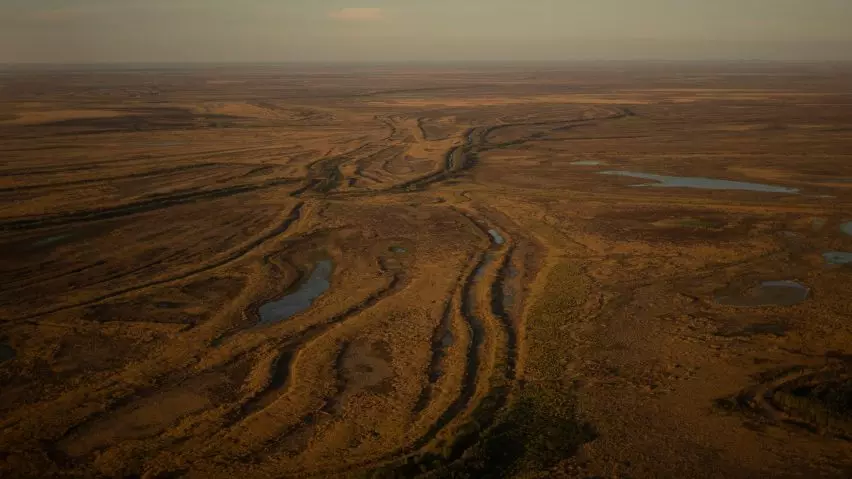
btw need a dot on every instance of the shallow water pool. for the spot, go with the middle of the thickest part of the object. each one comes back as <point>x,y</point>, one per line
<point>300,300</point>
<point>662,181</point>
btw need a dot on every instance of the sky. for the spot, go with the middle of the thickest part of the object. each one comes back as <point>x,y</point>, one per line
<point>125,31</point>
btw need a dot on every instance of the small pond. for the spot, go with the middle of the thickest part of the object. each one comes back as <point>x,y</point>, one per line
<point>300,300</point>
<point>837,257</point>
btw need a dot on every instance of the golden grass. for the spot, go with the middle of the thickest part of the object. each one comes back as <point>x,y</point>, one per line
<point>136,253</point>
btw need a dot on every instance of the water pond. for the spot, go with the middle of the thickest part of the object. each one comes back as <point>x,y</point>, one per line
<point>301,299</point>
<point>662,181</point>
<point>837,257</point>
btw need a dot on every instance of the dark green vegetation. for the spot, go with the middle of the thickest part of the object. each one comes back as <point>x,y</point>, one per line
<point>826,405</point>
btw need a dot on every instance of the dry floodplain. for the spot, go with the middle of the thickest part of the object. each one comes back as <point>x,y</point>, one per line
<point>523,271</point>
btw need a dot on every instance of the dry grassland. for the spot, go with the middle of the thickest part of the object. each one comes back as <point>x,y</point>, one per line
<point>494,306</point>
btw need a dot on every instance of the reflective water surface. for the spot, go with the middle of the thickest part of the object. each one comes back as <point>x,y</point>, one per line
<point>662,181</point>
<point>302,299</point>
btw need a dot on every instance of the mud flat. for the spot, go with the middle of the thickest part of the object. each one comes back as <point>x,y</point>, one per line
<point>6,353</point>
<point>50,240</point>
<point>768,293</point>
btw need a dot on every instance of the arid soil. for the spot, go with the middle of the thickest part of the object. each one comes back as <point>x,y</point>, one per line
<point>458,291</point>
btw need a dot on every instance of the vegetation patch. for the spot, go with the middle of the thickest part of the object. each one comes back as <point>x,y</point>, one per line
<point>539,431</point>
<point>547,335</point>
<point>827,406</point>
<point>541,428</point>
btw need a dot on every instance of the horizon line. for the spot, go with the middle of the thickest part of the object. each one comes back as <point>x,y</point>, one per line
<point>420,62</point>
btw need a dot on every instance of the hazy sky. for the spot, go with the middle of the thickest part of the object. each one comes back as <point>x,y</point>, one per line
<point>73,31</point>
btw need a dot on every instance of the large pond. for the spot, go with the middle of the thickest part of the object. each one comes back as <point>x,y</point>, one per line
<point>768,293</point>
<point>662,181</point>
<point>301,299</point>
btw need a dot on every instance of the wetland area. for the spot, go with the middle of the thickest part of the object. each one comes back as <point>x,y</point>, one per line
<point>585,270</point>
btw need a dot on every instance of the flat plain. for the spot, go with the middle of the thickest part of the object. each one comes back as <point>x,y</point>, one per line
<point>613,270</point>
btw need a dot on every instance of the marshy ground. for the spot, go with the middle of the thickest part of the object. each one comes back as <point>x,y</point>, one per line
<point>294,271</point>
